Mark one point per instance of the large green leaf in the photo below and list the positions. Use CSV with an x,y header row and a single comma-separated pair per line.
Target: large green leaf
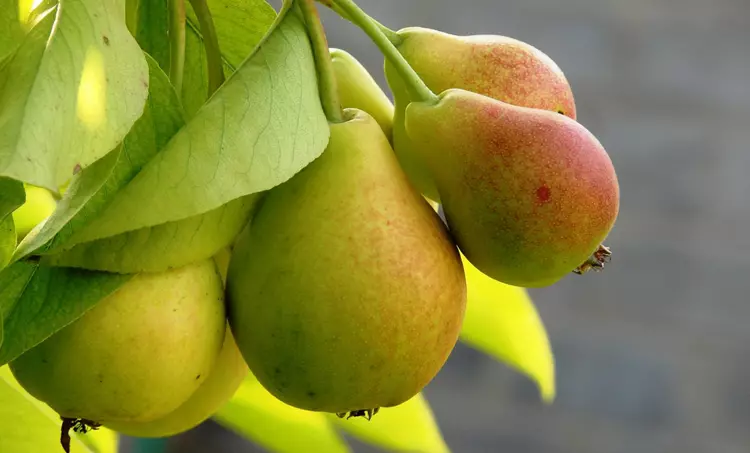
x,y
263,126
150,249
409,427
257,415
7,242
12,196
11,27
28,426
94,188
502,321
37,301
70,92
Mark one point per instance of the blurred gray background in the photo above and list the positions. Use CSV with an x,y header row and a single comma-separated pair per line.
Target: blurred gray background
x,y
652,355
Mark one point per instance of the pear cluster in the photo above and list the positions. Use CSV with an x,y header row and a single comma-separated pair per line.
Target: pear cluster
x,y
346,292
529,193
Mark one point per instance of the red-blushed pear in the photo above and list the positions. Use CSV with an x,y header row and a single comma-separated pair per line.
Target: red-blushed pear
x,y
346,293
528,194
500,67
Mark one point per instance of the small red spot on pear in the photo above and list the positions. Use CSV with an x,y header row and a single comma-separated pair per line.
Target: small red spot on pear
x,y
543,194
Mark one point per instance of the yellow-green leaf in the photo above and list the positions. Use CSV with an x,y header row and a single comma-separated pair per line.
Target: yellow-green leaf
x,y
259,416
410,427
70,92
502,321
27,425
101,440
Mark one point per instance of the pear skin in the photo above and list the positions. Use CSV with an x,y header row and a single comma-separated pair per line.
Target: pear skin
x,y
223,381
137,355
500,67
347,292
358,90
528,194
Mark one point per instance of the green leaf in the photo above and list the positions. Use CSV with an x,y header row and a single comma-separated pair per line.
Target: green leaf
x,y
259,416
7,242
12,195
70,92
27,425
409,427
94,188
260,128
240,26
37,301
152,30
150,249
502,321
11,27
164,246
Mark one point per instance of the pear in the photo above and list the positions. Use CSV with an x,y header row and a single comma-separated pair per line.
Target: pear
x,y
358,90
137,355
220,385
346,293
38,206
500,67
528,194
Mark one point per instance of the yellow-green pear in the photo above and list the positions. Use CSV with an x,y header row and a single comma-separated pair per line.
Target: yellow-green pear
x,y
346,293
38,206
137,355
358,90
500,67
225,378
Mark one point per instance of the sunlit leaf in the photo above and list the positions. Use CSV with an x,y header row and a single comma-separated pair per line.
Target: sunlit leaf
x,y
410,427
27,425
257,415
502,321
70,92
241,142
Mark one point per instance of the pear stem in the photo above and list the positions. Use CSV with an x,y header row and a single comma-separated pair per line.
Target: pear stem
x,y
176,43
329,95
211,43
418,90
390,34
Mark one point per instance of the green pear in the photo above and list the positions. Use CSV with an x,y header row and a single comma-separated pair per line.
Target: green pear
x,y
528,194
220,385
138,354
358,90
500,67
347,293
38,206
